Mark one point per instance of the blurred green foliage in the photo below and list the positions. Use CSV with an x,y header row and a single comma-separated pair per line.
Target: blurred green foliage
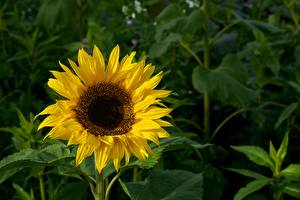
x,y
253,80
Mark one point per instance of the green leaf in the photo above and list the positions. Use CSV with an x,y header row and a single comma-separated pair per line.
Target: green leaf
x,y
73,46
176,143
72,191
286,113
293,189
267,27
168,13
295,86
168,185
50,156
191,23
292,172
159,48
125,189
250,188
248,173
272,151
50,12
8,173
282,151
22,193
225,83
169,144
256,155
150,162
167,22
262,55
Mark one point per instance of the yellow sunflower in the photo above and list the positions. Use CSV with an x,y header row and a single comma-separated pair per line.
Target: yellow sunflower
x,y
111,111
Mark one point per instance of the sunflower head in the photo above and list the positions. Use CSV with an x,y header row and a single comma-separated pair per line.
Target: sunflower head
x,y
111,110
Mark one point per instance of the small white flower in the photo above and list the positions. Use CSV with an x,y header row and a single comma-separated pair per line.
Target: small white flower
x,y
125,10
133,15
138,6
192,4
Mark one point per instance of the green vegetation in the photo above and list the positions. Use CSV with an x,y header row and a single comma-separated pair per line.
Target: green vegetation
x,y
233,67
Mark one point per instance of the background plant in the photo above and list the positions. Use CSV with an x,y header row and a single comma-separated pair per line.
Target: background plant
x,y
249,73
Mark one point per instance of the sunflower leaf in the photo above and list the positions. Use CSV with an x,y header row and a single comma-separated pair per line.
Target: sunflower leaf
x,y
225,83
168,185
292,172
22,193
50,156
286,113
72,191
175,143
250,188
248,173
256,155
293,189
150,162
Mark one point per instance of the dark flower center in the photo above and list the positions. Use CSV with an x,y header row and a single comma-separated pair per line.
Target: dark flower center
x,y
106,112
105,109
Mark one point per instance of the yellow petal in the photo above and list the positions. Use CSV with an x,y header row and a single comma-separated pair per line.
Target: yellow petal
x,y
83,151
98,57
138,150
74,80
142,105
113,61
78,137
102,156
148,71
133,82
73,88
138,94
162,133
81,72
145,124
93,140
150,135
50,121
154,81
127,155
163,123
58,87
159,93
126,61
153,113
49,110
59,132
117,153
99,64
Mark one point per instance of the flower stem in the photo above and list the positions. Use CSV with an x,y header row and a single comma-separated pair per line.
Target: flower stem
x,y
135,175
277,195
206,66
224,122
42,186
110,185
100,189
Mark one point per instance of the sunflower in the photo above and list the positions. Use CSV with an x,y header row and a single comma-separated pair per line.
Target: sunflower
x,y
111,111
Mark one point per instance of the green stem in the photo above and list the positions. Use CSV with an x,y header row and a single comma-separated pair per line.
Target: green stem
x,y
190,122
206,116
188,49
221,32
206,66
295,18
224,122
135,174
42,187
100,194
277,195
111,184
